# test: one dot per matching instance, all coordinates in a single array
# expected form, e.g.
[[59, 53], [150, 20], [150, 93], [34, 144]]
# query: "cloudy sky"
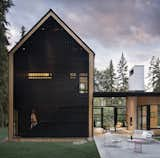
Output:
[[109, 27]]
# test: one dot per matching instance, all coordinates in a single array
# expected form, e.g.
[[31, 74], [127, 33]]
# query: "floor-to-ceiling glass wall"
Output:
[[154, 116], [109, 113], [144, 117], [108, 117], [148, 117], [97, 117], [143, 112], [139, 116]]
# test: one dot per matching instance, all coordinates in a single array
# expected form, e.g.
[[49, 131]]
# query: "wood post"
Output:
[[10, 129], [91, 89]]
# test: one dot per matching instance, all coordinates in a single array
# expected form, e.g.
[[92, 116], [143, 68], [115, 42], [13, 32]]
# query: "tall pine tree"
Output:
[[4, 7], [108, 79], [122, 78], [112, 77], [97, 78], [154, 74]]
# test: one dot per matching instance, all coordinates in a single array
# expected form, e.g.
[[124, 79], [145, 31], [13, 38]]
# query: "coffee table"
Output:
[[137, 144]]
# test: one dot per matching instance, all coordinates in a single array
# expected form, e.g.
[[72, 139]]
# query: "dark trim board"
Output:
[[125, 94]]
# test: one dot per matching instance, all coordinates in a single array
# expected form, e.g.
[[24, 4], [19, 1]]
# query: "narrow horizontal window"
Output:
[[73, 75], [39, 75]]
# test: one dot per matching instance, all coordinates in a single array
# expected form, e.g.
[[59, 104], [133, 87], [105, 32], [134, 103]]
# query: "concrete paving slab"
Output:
[[126, 149]]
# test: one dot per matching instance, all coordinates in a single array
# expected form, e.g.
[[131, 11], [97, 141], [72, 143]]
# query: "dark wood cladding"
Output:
[[62, 111]]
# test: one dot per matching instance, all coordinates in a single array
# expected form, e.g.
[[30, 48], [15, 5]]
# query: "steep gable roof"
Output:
[[52, 14]]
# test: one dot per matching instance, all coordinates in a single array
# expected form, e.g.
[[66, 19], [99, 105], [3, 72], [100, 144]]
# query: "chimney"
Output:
[[136, 78]]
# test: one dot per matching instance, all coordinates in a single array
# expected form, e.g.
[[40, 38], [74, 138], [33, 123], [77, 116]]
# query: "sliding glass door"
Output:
[[143, 117], [154, 116], [109, 117]]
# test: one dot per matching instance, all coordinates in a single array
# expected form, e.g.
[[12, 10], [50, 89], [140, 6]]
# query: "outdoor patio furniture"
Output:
[[144, 135], [111, 140], [137, 144], [98, 131]]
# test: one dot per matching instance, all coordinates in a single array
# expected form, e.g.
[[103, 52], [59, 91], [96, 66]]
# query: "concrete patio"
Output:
[[126, 149]]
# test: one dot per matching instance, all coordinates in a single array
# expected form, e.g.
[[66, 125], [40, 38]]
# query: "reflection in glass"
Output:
[[144, 117], [34, 120]]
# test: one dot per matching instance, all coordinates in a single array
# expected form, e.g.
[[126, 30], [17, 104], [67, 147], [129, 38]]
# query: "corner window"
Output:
[[39, 75], [83, 83]]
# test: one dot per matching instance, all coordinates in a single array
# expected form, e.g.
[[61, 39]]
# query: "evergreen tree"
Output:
[[105, 80], [111, 82], [96, 80], [122, 77], [23, 31], [150, 72], [101, 80], [4, 7], [154, 74], [111, 77]]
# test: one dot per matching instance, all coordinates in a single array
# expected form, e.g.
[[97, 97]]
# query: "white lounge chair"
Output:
[[143, 134]]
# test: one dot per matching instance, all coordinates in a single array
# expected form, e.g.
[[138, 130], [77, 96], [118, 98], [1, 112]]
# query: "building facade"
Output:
[[50, 83]]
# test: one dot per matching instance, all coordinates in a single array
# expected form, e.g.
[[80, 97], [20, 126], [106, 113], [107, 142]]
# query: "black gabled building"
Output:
[[50, 76]]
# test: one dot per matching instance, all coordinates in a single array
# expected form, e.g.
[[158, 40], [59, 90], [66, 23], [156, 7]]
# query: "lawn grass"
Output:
[[3, 133], [47, 149]]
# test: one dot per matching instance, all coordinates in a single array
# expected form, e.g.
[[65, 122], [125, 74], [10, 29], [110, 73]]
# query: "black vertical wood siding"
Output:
[[61, 110]]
